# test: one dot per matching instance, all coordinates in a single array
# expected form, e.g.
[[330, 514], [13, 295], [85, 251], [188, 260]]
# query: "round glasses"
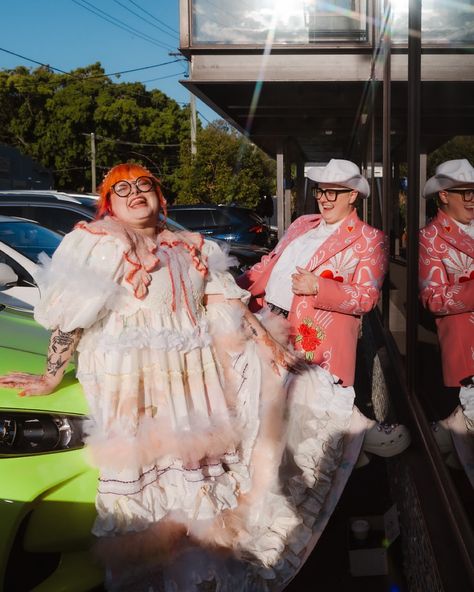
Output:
[[330, 194], [124, 188], [466, 194]]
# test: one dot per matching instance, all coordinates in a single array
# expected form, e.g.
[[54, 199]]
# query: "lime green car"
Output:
[[47, 487]]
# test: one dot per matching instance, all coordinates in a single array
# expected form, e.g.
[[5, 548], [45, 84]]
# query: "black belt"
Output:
[[277, 310]]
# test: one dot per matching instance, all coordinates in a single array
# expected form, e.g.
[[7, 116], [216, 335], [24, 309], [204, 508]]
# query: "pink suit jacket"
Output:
[[351, 266], [446, 274]]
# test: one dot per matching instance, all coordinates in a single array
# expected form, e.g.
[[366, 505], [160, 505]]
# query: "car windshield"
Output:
[[28, 238]]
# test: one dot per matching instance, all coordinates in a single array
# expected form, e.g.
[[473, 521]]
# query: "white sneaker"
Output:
[[386, 439]]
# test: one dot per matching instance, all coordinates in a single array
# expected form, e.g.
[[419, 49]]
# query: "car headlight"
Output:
[[30, 433]]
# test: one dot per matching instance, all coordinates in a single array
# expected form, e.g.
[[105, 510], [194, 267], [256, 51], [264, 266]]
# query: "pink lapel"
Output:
[[345, 235], [451, 233]]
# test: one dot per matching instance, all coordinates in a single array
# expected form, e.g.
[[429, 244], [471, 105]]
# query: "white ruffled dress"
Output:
[[188, 421]]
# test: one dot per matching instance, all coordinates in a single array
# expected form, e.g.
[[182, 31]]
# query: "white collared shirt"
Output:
[[297, 253], [467, 228]]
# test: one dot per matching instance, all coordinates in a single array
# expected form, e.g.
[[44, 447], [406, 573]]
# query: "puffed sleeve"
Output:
[[219, 280], [79, 283]]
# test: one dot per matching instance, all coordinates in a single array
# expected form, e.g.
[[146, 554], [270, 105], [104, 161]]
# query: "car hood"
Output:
[[68, 398], [23, 348]]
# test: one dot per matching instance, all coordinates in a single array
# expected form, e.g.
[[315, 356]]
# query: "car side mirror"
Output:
[[8, 277]]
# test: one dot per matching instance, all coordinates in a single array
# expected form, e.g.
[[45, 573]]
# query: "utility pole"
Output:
[[192, 106], [93, 162]]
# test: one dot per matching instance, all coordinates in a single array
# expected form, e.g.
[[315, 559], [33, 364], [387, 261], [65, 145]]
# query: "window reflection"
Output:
[[296, 22], [443, 21], [253, 22]]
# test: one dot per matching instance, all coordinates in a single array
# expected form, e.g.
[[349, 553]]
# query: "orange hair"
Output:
[[118, 173]]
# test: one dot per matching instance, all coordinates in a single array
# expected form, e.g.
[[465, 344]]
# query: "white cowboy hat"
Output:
[[342, 172], [449, 174]]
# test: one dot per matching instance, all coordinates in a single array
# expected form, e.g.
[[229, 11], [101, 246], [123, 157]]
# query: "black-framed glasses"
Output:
[[466, 194], [330, 194], [124, 188]]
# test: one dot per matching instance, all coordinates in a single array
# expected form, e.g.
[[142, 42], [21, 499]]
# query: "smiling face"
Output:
[[132, 194], [135, 202], [335, 211], [453, 205]]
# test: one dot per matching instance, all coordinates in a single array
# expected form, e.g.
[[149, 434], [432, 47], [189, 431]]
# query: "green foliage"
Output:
[[458, 147], [226, 169], [50, 117]]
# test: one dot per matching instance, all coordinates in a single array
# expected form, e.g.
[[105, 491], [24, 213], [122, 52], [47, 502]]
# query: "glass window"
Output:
[[282, 22], [12, 211], [57, 219], [29, 239], [193, 218], [443, 23], [221, 218]]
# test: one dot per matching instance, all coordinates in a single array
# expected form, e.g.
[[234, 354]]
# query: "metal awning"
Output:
[[325, 113]]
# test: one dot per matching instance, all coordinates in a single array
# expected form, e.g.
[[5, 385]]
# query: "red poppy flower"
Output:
[[310, 342], [305, 329]]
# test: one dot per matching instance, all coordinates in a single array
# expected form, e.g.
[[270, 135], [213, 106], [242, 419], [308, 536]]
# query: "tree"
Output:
[[227, 169], [457, 147], [50, 117]]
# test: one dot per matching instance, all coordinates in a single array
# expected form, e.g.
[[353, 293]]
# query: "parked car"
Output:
[[21, 241], [47, 487], [56, 210], [229, 223], [60, 211]]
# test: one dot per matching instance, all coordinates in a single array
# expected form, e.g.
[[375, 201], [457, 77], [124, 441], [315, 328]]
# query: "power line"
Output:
[[83, 168], [18, 55], [133, 70], [120, 24], [126, 143], [81, 78], [161, 78], [204, 117], [153, 17], [141, 18]]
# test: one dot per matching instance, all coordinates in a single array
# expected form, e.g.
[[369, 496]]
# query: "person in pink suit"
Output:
[[446, 279], [324, 275]]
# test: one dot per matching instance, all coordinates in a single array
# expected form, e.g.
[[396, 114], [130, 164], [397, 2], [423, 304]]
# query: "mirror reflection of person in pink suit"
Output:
[[446, 275], [326, 273]]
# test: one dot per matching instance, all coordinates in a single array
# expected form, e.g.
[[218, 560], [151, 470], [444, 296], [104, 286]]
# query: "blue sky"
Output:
[[66, 34]]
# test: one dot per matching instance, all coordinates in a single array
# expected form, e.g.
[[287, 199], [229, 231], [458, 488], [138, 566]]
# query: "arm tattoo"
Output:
[[53, 366], [60, 341], [61, 348]]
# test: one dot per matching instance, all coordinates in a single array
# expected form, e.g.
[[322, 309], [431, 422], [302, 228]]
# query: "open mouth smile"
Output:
[[138, 202]]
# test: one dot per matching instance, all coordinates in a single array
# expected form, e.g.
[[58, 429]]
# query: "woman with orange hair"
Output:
[[188, 396], [147, 311]]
